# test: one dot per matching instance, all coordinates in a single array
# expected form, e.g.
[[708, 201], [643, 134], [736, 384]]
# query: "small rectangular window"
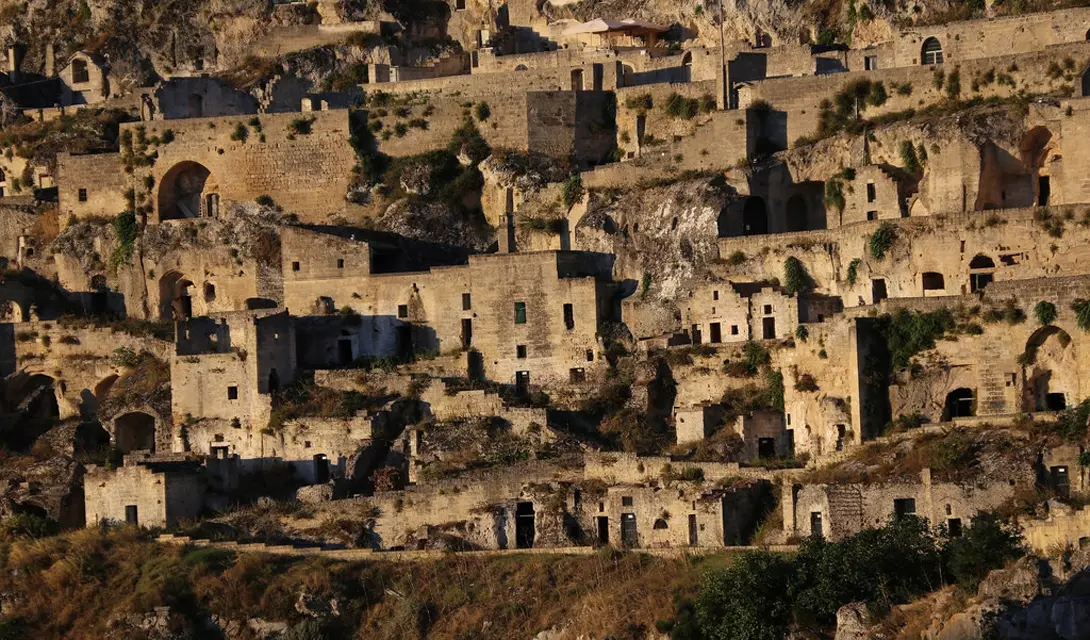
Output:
[[872, 193], [733, 329], [715, 295], [83, 195], [590, 355], [569, 317], [768, 308], [577, 375], [295, 266], [520, 313], [626, 501], [520, 351], [467, 302], [232, 393], [403, 311], [340, 263], [872, 215]]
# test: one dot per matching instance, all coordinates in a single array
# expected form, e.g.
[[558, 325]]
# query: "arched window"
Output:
[[981, 261], [960, 403], [931, 52]]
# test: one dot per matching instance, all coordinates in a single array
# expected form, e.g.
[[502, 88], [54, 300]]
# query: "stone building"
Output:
[[226, 366], [726, 312], [84, 80], [145, 494], [519, 318], [836, 511]]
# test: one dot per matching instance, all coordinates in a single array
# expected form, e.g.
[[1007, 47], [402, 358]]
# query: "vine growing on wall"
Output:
[[881, 241], [853, 271], [795, 277], [1081, 308], [1045, 312]]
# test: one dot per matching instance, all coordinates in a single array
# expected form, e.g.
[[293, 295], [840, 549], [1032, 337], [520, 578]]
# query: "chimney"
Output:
[[50, 61], [506, 234]]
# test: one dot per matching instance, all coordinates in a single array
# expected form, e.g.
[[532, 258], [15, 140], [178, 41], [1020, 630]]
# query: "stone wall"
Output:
[[426, 312], [161, 499], [91, 186], [305, 173]]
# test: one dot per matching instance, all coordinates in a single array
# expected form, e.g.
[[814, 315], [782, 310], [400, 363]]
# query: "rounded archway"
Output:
[[960, 403], [981, 272], [36, 397], [134, 431], [1051, 370], [797, 214], [931, 52], [175, 302], [182, 191], [754, 216]]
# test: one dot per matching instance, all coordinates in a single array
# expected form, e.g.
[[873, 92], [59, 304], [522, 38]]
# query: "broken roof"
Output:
[[600, 25]]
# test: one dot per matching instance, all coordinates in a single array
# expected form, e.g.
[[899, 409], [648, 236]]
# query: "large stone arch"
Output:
[[175, 301], [134, 431], [35, 395], [1051, 370], [187, 190]]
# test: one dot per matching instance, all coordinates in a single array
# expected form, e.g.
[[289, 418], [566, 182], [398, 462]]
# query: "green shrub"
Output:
[[483, 111], [125, 226], [678, 106], [877, 95], [241, 133], [853, 271], [265, 200], [1081, 308], [834, 194], [301, 126], [802, 333], [572, 190], [986, 545], [910, 159], [795, 277], [124, 357], [1045, 312], [881, 241], [907, 333], [953, 84], [748, 599], [737, 258], [641, 103]]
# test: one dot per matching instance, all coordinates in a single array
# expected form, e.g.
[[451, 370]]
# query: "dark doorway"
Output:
[[816, 528], [766, 447], [474, 365], [524, 525], [321, 469], [1044, 191], [960, 403], [953, 527], [569, 316], [693, 535], [904, 507], [933, 281], [797, 213], [878, 290], [695, 333], [603, 530], [405, 340], [522, 381], [467, 332], [131, 515], [715, 333], [629, 535], [841, 431], [1055, 402], [768, 328], [344, 351], [1061, 481], [597, 76], [977, 281], [754, 217], [577, 80]]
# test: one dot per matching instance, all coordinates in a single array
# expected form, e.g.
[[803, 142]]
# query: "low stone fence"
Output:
[[353, 555]]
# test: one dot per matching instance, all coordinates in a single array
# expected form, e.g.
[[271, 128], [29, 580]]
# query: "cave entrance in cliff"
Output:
[[1051, 372], [39, 398], [134, 431], [754, 216], [175, 302], [182, 192], [960, 403], [524, 525]]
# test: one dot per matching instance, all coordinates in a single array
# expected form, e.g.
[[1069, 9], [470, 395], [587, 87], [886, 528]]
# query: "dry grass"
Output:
[[70, 586]]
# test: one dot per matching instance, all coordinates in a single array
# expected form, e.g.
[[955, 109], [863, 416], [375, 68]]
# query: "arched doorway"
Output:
[[134, 431], [931, 52], [1051, 370], [981, 272], [182, 190], [754, 216], [960, 403], [797, 215], [1035, 149], [175, 302]]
